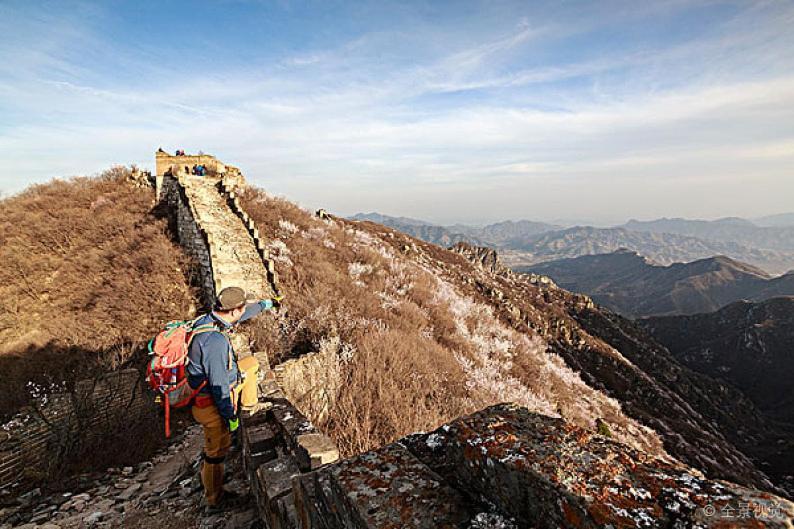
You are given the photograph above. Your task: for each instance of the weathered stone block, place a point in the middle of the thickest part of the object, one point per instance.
(385, 488)
(287, 514)
(256, 417)
(269, 390)
(273, 482)
(314, 450)
(259, 439)
(549, 474)
(291, 421)
(306, 500)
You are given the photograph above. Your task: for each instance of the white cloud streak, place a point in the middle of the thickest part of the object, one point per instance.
(467, 133)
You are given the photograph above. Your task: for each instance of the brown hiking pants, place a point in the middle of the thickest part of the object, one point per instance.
(217, 438)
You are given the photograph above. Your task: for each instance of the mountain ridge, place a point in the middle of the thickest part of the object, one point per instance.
(662, 248)
(747, 344)
(726, 230)
(633, 285)
(523, 243)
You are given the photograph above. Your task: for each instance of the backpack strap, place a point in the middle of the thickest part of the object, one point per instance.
(212, 327)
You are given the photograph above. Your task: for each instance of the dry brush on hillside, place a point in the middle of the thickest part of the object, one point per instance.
(88, 273)
(411, 350)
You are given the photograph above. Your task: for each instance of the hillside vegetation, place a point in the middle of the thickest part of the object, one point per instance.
(87, 273)
(414, 349)
(412, 335)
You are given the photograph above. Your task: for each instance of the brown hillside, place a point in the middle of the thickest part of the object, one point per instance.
(413, 346)
(747, 344)
(418, 334)
(87, 269)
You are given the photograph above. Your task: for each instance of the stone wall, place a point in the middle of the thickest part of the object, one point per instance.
(280, 443)
(503, 467)
(191, 236)
(312, 380)
(278, 440)
(30, 439)
(167, 163)
(230, 187)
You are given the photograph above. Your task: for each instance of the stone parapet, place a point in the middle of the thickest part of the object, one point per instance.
(505, 467)
(230, 188)
(279, 445)
(29, 439)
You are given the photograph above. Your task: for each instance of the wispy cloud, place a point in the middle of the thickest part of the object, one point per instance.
(431, 117)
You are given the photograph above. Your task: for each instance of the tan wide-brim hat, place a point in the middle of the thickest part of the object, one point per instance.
(231, 298)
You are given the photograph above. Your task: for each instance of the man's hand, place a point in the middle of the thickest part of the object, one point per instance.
(233, 424)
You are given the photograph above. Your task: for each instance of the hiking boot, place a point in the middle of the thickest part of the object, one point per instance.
(230, 499)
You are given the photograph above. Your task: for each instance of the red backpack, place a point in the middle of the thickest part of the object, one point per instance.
(166, 371)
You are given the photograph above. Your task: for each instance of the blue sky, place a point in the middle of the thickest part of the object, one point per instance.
(448, 111)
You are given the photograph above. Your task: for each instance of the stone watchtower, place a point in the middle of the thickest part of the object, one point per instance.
(173, 165)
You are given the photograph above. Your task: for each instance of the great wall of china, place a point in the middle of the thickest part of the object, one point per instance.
(502, 467)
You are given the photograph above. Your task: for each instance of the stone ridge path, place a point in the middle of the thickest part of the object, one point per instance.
(236, 261)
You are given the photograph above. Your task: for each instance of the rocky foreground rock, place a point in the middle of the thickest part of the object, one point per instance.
(507, 467)
(500, 468)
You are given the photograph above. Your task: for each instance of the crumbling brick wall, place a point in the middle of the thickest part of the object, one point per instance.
(31, 439)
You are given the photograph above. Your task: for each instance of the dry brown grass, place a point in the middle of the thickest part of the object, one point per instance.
(418, 346)
(397, 383)
(88, 273)
(398, 378)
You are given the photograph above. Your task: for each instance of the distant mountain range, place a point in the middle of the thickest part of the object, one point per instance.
(731, 230)
(661, 248)
(524, 243)
(782, 219)
(508, 233)
(421, 230)
(634, 286)
(746, 344)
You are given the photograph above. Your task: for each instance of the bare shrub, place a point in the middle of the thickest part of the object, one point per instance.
(86, 267)
(426, 350)
(396, 383)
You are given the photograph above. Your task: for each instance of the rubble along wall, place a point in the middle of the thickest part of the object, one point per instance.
(30, 438)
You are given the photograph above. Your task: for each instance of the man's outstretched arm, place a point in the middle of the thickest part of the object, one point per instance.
(253, 309)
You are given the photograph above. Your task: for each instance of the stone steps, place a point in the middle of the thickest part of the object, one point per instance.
(235, 258)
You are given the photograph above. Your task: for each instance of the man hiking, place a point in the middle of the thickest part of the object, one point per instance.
(229, 383)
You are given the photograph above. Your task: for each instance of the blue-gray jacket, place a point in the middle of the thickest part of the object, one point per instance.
(212, 358)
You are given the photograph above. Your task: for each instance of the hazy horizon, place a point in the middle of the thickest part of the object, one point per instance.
(473, 112)
(563, 221)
